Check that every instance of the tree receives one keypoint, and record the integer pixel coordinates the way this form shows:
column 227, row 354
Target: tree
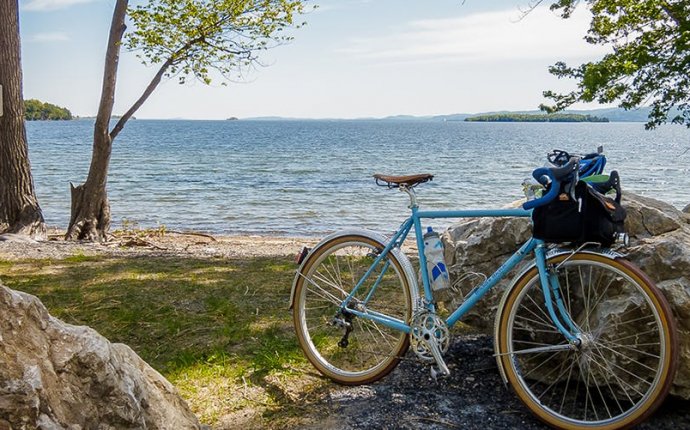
column 19, row 209
column 199, row 39
column 648, row 65
column 36, row 110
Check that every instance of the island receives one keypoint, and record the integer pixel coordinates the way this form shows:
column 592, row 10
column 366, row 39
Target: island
column 525, row 117
column 36, row 110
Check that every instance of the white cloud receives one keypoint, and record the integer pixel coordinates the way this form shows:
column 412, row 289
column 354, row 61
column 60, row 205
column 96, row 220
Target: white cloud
column 481, row 37
column 43, row 5
column 56, row 36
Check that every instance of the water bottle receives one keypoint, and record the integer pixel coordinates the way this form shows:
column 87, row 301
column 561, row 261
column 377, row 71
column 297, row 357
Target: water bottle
column 532, row 189
column 435, row 263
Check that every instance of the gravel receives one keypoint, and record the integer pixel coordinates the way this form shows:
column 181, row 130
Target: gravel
column 472, row 397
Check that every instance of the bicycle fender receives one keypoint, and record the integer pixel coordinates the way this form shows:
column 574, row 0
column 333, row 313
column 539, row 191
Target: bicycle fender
column 555, row 252
column 408, row 269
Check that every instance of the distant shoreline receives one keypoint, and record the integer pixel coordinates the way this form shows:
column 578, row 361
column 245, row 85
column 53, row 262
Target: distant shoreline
column 511, row 117
column 612, row 114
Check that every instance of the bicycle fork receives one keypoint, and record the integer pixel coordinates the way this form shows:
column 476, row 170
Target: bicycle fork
column 548, row 276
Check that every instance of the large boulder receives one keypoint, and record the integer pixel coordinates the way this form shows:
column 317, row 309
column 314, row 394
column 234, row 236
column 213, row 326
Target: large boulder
column 55, row 375
column 660, row 246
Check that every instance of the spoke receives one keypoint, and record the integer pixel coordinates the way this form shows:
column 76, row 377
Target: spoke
column 325, row 324
column 635, row 335
column 603, row 400
column 621, row 382
column 603, row 294
column 629, row 358
column 638, row 319
column 577, row 387
column 374, row 340
column 541, row 308
column 555, row 381
column 333, row 275
column 629, row 373
column 326, row 295
column 535, row 321
column 607, row 371
column 534, row 330
column 385, row 336
column 629, row 347
column 587, row 396
column 573, row 359
column 319, row 277
column 348, row 260
column 553, row 354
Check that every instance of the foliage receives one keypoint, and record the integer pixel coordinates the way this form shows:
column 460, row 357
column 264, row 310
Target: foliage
column 649, row 62
column 524, row 117
column 37, row 110
column 197, row 36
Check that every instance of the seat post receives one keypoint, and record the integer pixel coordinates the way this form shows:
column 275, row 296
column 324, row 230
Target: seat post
column 411, row 194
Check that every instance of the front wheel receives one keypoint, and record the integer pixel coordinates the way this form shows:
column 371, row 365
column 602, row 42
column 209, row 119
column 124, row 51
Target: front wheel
column 344, row 347
column 624, row 365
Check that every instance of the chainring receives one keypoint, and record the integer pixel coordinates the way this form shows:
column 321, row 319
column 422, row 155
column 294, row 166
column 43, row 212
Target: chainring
column 428, row 327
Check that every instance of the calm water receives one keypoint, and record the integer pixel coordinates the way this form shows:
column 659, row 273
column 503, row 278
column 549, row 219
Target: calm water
column 302, row 178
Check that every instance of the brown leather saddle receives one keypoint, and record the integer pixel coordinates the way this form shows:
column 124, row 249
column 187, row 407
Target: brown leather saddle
column 409, row 181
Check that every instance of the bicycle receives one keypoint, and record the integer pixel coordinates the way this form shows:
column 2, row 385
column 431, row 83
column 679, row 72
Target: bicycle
column 582, row 335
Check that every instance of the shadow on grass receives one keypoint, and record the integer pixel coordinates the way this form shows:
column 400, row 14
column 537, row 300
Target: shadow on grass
column 217, row 328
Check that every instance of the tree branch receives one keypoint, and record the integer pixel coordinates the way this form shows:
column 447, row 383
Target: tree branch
column 151, row 87
column 147, row 92
column 112, row 56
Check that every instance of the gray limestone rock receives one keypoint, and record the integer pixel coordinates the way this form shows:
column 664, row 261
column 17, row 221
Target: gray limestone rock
column 660, row 246
column 55, row 375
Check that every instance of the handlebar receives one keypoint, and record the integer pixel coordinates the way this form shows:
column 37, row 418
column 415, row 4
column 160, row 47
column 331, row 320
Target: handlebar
column 553, row 176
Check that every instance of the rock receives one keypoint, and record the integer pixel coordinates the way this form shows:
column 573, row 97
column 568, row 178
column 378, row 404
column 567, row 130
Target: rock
column 659, row 245
column 649, row 217
column 686, row 209
column 473, row 252
column 55, row 375
column 677, row 292
column 17, row 238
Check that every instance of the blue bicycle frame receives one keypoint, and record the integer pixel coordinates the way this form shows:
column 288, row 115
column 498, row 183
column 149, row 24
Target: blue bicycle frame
column 549, row 281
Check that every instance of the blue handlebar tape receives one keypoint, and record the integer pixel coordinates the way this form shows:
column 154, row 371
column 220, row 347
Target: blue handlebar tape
column 553, row 191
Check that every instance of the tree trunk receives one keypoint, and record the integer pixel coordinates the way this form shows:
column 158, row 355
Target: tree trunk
column 90, row 218
column 19, row 209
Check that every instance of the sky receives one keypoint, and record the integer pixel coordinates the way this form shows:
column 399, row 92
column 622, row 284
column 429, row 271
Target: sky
column 353, row 59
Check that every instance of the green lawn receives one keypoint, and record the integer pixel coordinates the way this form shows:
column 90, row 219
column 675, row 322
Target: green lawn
column 219, row 329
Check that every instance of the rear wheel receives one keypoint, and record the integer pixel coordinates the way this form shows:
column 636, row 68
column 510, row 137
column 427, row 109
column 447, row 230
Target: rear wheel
column 346, row 348
column 625, row 364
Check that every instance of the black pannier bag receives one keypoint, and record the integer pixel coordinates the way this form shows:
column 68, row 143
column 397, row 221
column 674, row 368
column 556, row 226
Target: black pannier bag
column 584, row 215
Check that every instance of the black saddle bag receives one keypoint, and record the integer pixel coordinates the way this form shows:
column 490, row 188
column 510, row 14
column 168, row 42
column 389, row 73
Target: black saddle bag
column 578, row 216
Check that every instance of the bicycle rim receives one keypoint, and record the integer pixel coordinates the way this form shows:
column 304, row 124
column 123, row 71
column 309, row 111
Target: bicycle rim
column 624, row 367
column 371, row 350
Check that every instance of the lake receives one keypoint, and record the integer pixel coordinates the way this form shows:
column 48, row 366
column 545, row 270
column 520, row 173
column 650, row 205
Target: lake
column 307, row 178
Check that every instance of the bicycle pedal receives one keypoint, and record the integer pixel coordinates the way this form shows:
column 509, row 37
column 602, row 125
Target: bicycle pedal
column 438, row 371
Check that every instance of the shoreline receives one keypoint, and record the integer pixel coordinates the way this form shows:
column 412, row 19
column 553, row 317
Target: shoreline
column 132, row 243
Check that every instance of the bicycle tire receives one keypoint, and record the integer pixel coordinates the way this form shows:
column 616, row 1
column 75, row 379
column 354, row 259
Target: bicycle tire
column 623, row 370
column 372, row 350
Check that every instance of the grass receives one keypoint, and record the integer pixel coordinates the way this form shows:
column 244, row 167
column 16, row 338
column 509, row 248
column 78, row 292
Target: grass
column 218, row 329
